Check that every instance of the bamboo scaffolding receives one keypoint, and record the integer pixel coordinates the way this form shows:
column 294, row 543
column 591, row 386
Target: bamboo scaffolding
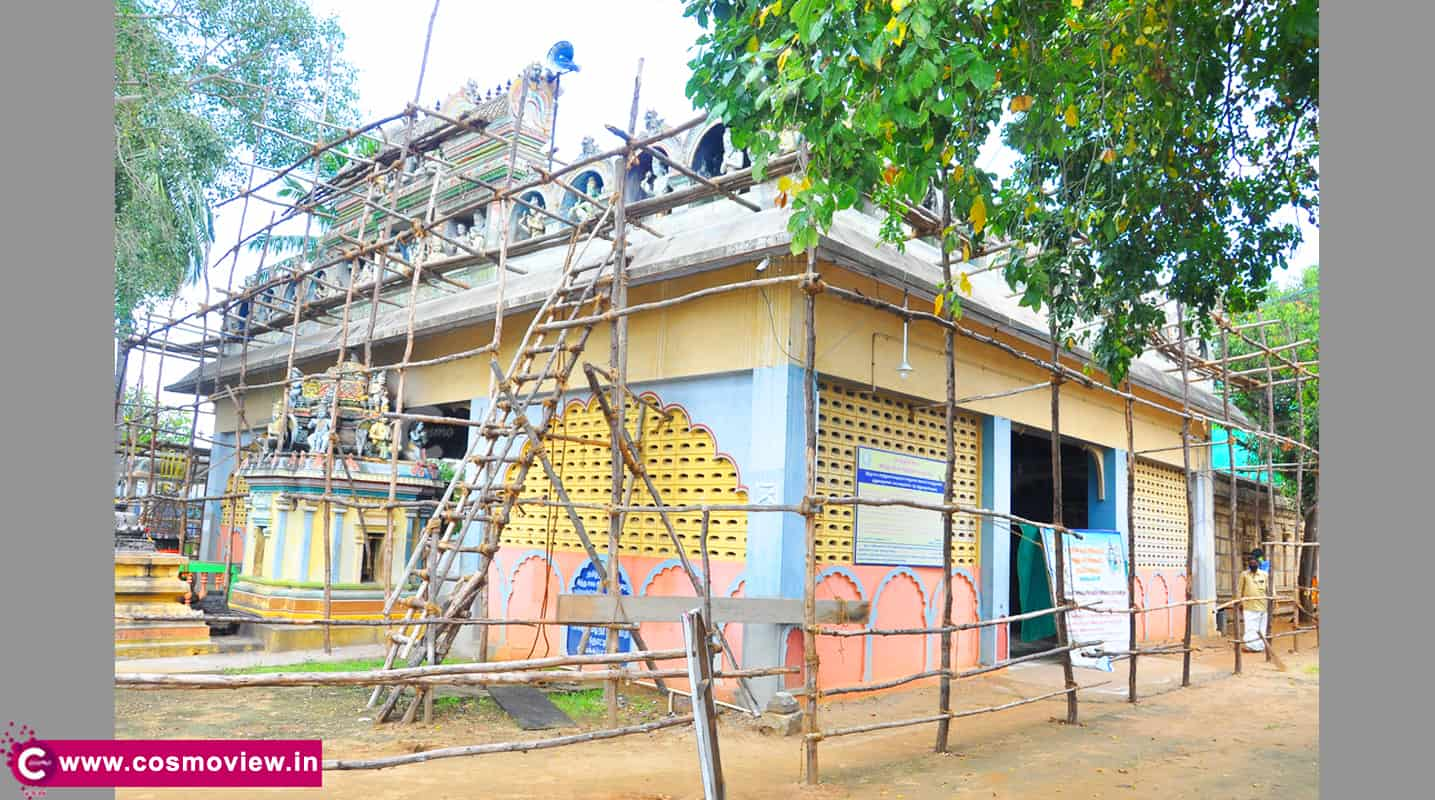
column 1131, row 534
column 1190, row 498
column 903, row 723
column 428, row 678
column 944, row 691
column 507, row 747
column 486, row 500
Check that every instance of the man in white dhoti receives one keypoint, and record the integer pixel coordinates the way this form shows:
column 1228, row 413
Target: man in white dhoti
column 1253, row 592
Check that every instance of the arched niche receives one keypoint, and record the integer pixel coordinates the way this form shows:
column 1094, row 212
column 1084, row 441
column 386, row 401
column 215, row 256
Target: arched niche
column 591, row 184
column 639, row 182
column 526, row 222
column 715, row 154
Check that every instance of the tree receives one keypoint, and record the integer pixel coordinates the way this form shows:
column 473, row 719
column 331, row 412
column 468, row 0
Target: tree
column 295, row 191
column 192, row 77
column 1157, row 141
column 145, row 419
column 1298, row 310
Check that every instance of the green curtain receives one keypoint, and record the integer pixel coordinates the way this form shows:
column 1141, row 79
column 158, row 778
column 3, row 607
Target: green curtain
column 1034, row 590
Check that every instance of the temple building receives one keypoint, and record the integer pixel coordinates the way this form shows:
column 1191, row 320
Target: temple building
column 721, row 420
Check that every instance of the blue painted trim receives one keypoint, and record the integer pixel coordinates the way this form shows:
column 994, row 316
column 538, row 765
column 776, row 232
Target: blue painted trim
column 934, row 612
column 846, row 573
column 876, row 602
column 661, row 567
column 513, row 574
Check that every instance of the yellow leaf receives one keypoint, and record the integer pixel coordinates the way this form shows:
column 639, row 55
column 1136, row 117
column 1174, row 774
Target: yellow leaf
column 1117, row 52
column 805, row 185
column 782, row 58
column 1071, row 118
column 898, row 5
column 752, row 45
column 891, row 25
column 966, row 252
column 964, row 283
column 1021, row 102
column 978, row 215
column 947, row 155
column 1121, row 224
column 1108, row 155
column 784, row 184
column 937, row 305
column 901, row 33
column 957, row 172
column 1078, row 3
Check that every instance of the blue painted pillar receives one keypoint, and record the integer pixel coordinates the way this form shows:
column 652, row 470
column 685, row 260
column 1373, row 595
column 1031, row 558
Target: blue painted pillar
column 281, row 516
column 336, row 549
column 308, row 548
column 221, row 466
column 472, row 537
column 1106, row 511
column 776, row 473
column 994, row 547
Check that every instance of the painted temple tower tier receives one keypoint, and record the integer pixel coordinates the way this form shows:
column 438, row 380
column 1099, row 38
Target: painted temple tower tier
column 369, row 537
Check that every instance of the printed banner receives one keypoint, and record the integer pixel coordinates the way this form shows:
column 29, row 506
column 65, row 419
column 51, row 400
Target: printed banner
column 1095, row 574
column 898, row 535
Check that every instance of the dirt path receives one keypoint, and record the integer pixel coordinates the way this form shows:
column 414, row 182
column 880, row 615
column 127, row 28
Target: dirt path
column 1251, row 736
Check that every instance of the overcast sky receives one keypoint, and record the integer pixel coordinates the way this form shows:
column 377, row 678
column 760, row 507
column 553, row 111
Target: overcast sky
column 489, row 43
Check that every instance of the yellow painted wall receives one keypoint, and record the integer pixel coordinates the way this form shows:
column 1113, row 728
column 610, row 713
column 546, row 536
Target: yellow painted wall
column 845, row 347
column 750, row 328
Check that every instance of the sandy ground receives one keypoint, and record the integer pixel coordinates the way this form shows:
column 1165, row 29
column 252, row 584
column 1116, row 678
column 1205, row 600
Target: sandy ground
column 1248, row 736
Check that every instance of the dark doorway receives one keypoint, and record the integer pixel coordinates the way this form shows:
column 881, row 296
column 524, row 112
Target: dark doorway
column 1031, row 498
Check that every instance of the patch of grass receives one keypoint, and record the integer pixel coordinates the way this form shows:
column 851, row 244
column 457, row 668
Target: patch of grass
column 584, row 703
column 347, row 665
column 447, row 703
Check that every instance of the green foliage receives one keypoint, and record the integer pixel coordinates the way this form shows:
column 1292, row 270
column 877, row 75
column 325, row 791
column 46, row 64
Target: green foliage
column 293, row 190
column 1156, row 140
column 191, row 76
column 1298, row 309
column 144, row 419
column 344, row 665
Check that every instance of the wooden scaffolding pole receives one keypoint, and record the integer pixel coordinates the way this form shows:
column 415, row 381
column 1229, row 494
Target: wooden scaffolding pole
column 1131, row 536
column 944, row 692
column 618, row 370
column 1190, row 498
column 809, row 513
column 1270, row 487
column 1063, row 636
column 1235, row 491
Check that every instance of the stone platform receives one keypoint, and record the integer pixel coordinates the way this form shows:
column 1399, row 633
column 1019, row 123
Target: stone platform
column 149, row 584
